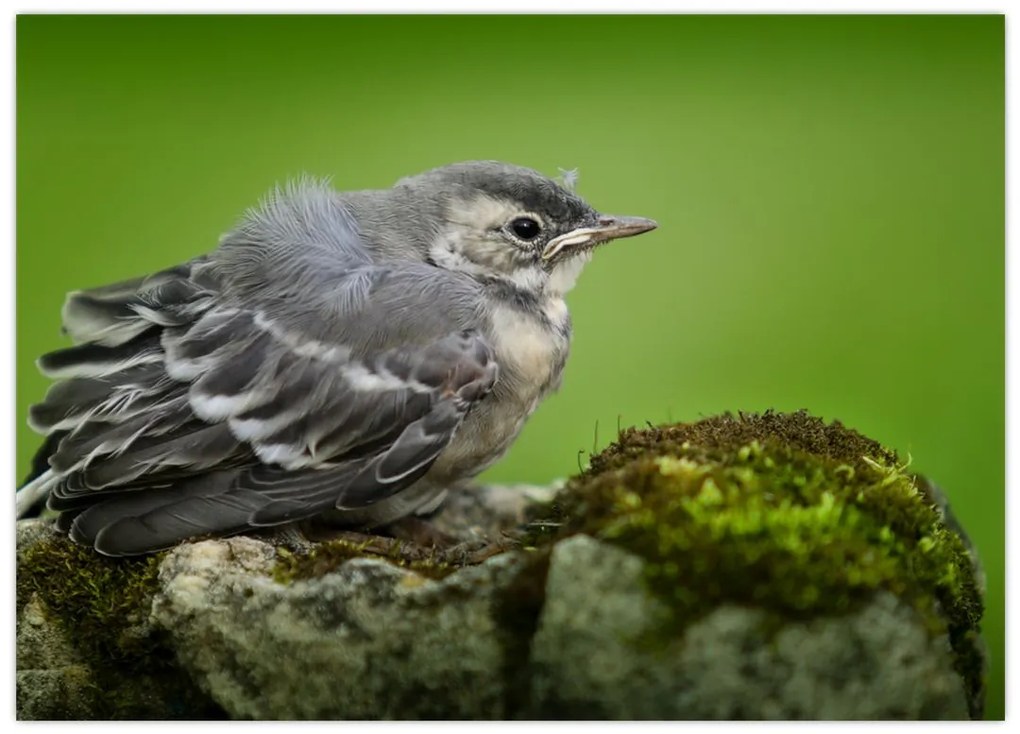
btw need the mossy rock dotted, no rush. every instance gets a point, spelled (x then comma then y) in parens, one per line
(86, 647)
(750, 566)
(782, 513)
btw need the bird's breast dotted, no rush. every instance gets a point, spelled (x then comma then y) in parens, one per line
(531, 349)
(531, 346)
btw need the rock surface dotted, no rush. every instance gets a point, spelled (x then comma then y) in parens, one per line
(366, 642)
(375, 641)
(598, 661)
(552, 626)
(53, 680)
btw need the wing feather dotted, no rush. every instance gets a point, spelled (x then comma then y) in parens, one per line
(185, 409)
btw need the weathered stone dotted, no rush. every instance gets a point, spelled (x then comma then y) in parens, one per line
(374, 641)
(52, 680)
(614, 659)
(760, 567)
(370, 641)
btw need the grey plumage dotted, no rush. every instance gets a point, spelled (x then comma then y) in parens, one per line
(339, 354)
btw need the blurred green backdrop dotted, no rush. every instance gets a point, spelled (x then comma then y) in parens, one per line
(830, 193)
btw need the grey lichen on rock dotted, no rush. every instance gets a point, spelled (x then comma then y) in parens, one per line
(369, 640)
(735, 662)
(760, 566)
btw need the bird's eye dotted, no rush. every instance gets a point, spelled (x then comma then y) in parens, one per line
(525, 227)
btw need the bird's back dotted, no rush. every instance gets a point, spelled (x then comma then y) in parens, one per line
(285, 374)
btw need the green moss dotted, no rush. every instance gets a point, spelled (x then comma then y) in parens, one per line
(329, 555)
(103, 605)
(781, 512)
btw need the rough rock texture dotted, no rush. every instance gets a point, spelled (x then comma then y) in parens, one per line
(375, 641)
(368, 641)
(610, 660)
(53, 680)
(647, 589)
(85, 647)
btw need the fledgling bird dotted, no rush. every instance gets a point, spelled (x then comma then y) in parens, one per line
(347, 355)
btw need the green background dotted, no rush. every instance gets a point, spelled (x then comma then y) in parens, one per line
(830, 193)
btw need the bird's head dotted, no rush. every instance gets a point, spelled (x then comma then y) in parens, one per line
(496, 221)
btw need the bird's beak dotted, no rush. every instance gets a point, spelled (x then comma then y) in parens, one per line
(607, 228)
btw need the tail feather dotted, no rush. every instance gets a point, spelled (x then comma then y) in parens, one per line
(115, 314)
(141, 521)
(31, 498)
(96, 360)
(107, 322)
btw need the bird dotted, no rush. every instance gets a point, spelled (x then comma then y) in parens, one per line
(339, 355)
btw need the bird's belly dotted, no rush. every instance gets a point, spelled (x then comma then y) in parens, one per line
(486, 435)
